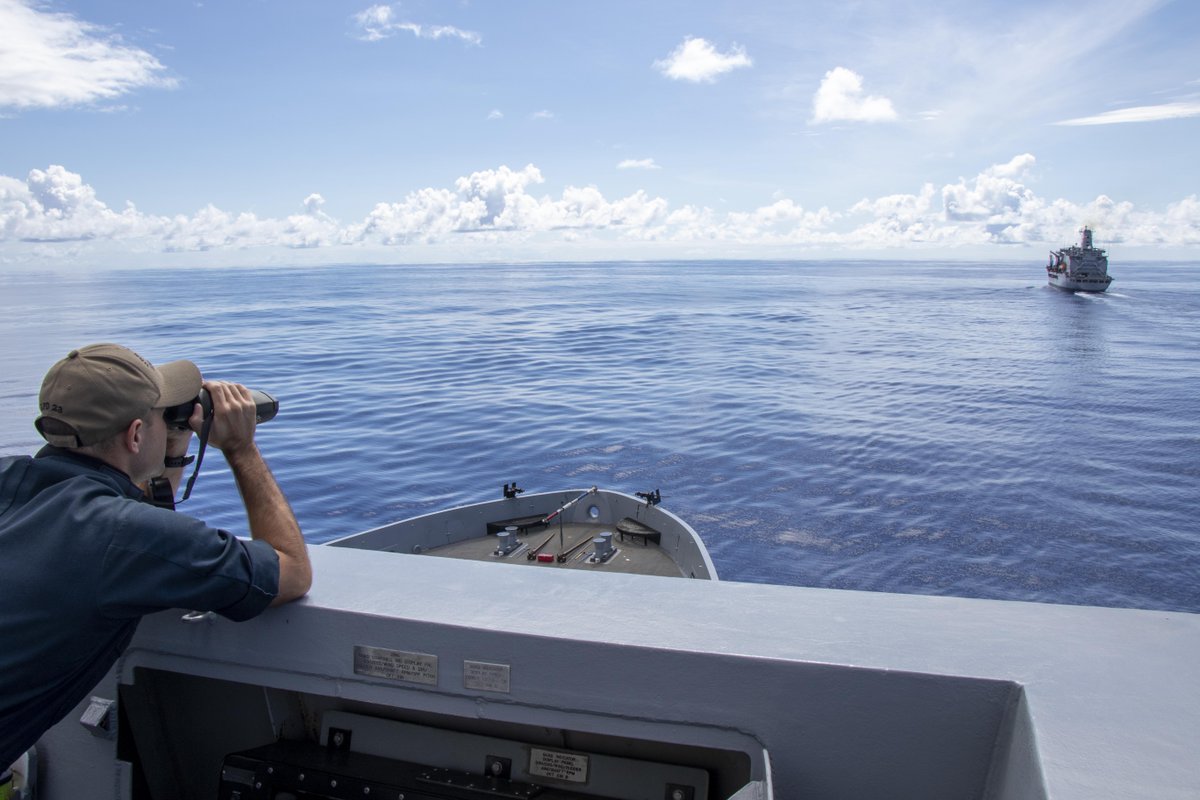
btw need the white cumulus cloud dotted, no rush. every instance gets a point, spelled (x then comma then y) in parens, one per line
(50, 59)
(993, 194)
(840, 97)
(55, 205)
(492, 202)
(56, 208)
(698, 61)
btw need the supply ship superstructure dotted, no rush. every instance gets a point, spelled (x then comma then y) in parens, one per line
(1079, 268)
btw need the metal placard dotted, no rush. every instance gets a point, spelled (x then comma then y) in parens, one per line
(556, 764)
(486, 677)
(396, 665)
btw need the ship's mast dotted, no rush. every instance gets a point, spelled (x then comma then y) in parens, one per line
(1086, 241)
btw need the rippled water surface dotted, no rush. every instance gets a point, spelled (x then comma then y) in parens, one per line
(908, 427)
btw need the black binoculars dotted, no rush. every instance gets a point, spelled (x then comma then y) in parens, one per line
(266, 407)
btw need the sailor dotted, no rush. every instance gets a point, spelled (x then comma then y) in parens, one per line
(85, 556)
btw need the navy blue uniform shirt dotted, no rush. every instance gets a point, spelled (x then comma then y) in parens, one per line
(82, 559)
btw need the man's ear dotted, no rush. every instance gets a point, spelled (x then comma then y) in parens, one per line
(134, 436)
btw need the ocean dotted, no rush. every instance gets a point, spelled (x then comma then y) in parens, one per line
(916, 427)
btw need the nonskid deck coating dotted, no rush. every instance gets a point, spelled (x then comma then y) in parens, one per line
(632, 556)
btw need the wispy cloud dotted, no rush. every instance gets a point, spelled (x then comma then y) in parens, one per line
(495, 113)
(50, 59)
(1139, 114)
(638, 163)
(380, 22)
(543, 114)
(841, 98)
(698, 61)
(982, 65)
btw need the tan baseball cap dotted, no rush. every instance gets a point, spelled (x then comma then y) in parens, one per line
(96, 391)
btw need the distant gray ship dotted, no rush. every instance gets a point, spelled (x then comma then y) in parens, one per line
(1079, 268)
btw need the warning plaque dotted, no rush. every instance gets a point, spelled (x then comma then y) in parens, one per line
(571, 767)
(396, 665)
(485, 676)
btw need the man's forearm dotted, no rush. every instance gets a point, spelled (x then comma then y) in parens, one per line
(272, 520)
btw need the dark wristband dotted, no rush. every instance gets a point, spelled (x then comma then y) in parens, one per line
(178, 461)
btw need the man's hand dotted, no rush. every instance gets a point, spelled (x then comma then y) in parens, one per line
(234, 417)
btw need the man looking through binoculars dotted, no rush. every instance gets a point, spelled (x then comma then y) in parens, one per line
(86, 555)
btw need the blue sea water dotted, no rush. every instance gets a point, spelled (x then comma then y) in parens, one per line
(933, 428)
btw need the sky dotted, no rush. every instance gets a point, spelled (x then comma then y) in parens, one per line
(276, 132)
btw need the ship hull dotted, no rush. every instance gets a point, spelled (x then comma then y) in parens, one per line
(1081, 283)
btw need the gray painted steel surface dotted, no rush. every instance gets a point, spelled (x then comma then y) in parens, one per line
(791, 692)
